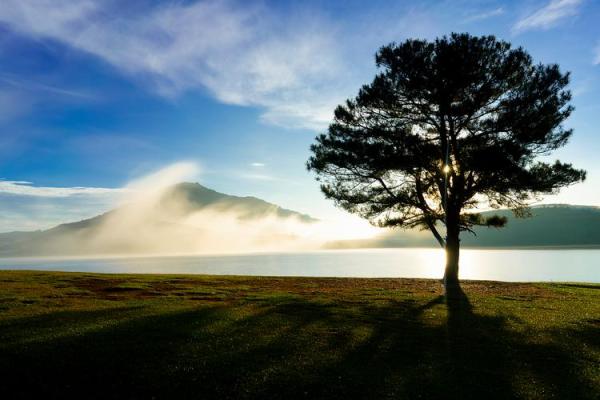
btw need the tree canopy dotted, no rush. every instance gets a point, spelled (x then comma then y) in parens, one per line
(446, 126)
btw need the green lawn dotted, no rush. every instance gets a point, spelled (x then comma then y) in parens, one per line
(169, 336)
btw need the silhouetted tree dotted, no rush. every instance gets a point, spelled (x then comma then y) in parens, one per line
(444, 127)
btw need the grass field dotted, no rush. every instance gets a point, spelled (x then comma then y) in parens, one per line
(66, 335)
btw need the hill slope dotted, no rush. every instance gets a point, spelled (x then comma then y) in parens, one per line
(189, 218)
(186, 217)
(193, 196)
(550, 226)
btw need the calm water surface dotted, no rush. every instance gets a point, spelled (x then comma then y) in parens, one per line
(504, 265)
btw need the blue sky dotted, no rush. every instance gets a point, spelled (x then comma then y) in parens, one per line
(94, 94)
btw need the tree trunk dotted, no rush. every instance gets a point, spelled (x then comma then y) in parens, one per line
(452, 254)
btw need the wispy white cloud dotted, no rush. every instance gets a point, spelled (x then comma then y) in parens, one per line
(548, 16)
(243, 55)
(20, 97)
(26, 206)
(23, 188)
(257, 164)
(484, 15)
(25, 213)
(32, 86)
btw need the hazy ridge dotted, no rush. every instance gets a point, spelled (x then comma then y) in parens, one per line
(190, 218)
(186, 217)
(555, 225)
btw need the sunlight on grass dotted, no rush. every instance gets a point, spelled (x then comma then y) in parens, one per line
(298, 337)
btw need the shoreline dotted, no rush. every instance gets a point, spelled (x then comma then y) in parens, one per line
(280, 277)
(267, 252)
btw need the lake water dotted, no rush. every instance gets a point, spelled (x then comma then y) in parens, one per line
(502, 265)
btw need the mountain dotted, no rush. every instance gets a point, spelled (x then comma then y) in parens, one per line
(186, 217)
(194, 196)
(549, 226)
(190, 218)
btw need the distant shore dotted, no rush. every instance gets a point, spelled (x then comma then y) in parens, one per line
(341, 245)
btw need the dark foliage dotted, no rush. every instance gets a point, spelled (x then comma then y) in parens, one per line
(446, 126)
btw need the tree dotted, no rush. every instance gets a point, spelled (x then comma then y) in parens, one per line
(445, 127)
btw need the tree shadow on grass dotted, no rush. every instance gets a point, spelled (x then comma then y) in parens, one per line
(477, 364)
(295, 348)
(489, 359)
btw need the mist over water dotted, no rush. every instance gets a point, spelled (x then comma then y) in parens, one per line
(154, 229)
(150, 219)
